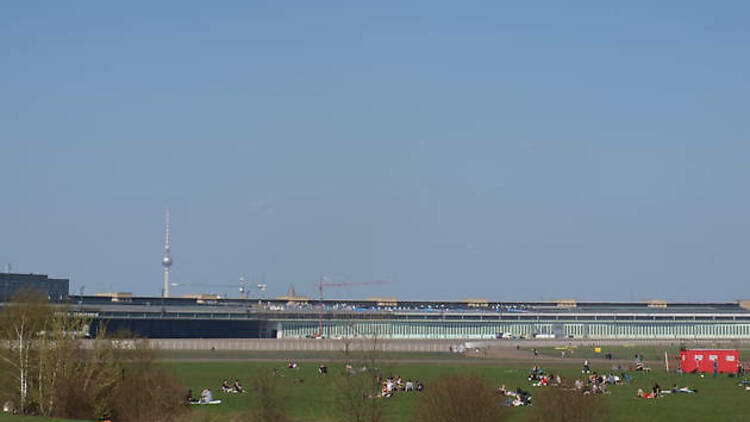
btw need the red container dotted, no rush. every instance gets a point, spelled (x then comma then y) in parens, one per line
(703, 360)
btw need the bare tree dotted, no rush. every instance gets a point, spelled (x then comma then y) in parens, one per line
(58, 351)
(269, 406)
(21, 322)
(356, 394)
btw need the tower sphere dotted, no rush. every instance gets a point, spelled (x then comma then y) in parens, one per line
(166, 262)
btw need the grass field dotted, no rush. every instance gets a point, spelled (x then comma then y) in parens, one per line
(718, 399)
(650, 353)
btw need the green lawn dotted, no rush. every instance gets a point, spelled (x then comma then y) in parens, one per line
(311, 400)
(717, 400)
(651, 353)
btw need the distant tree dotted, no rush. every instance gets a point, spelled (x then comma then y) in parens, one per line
(460, 397)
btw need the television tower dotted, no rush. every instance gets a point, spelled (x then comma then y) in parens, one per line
(166, 261)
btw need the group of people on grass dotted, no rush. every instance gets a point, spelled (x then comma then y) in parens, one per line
(349, 369)
(593, 383)
(232, 387)
(656, 391)
(541, 379)
(391, 385)
(597, 384)
(207, 397)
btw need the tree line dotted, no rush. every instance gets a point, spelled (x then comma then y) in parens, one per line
(50, 368)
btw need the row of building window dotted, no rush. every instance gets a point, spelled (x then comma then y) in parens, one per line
(479, 330)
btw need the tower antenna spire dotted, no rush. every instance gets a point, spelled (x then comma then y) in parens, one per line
(166, 261)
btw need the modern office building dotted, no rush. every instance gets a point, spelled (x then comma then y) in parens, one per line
(55, 289)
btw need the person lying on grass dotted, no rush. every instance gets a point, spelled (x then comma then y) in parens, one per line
(644, 395)
(517, 398)
(685, 389)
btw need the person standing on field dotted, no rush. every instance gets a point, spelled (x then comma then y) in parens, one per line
(716, 367)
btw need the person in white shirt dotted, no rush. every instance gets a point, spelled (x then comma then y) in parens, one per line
(206, 396)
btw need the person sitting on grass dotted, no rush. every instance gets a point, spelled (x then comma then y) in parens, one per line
(409, 386)
(225, 387)
(656, 389)
(535, 373)
(207, 396)
(502, 390)
(543, 382)
(322, 369)
(399, 383)
(386, 392)
(238, 388)
(420, 386)
(390, 386)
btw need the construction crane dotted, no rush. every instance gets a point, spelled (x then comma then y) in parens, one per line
(324, 282)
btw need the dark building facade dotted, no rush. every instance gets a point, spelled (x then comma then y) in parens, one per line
(56, 289)
(183, 328)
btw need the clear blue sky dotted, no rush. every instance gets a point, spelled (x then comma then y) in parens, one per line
(505, 150)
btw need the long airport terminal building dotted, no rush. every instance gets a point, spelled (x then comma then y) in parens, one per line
(206, 316)
(388, 318)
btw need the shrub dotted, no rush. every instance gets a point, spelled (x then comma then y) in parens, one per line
(460, 397)
(151, 394)
(567, 404)
(269, 401)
